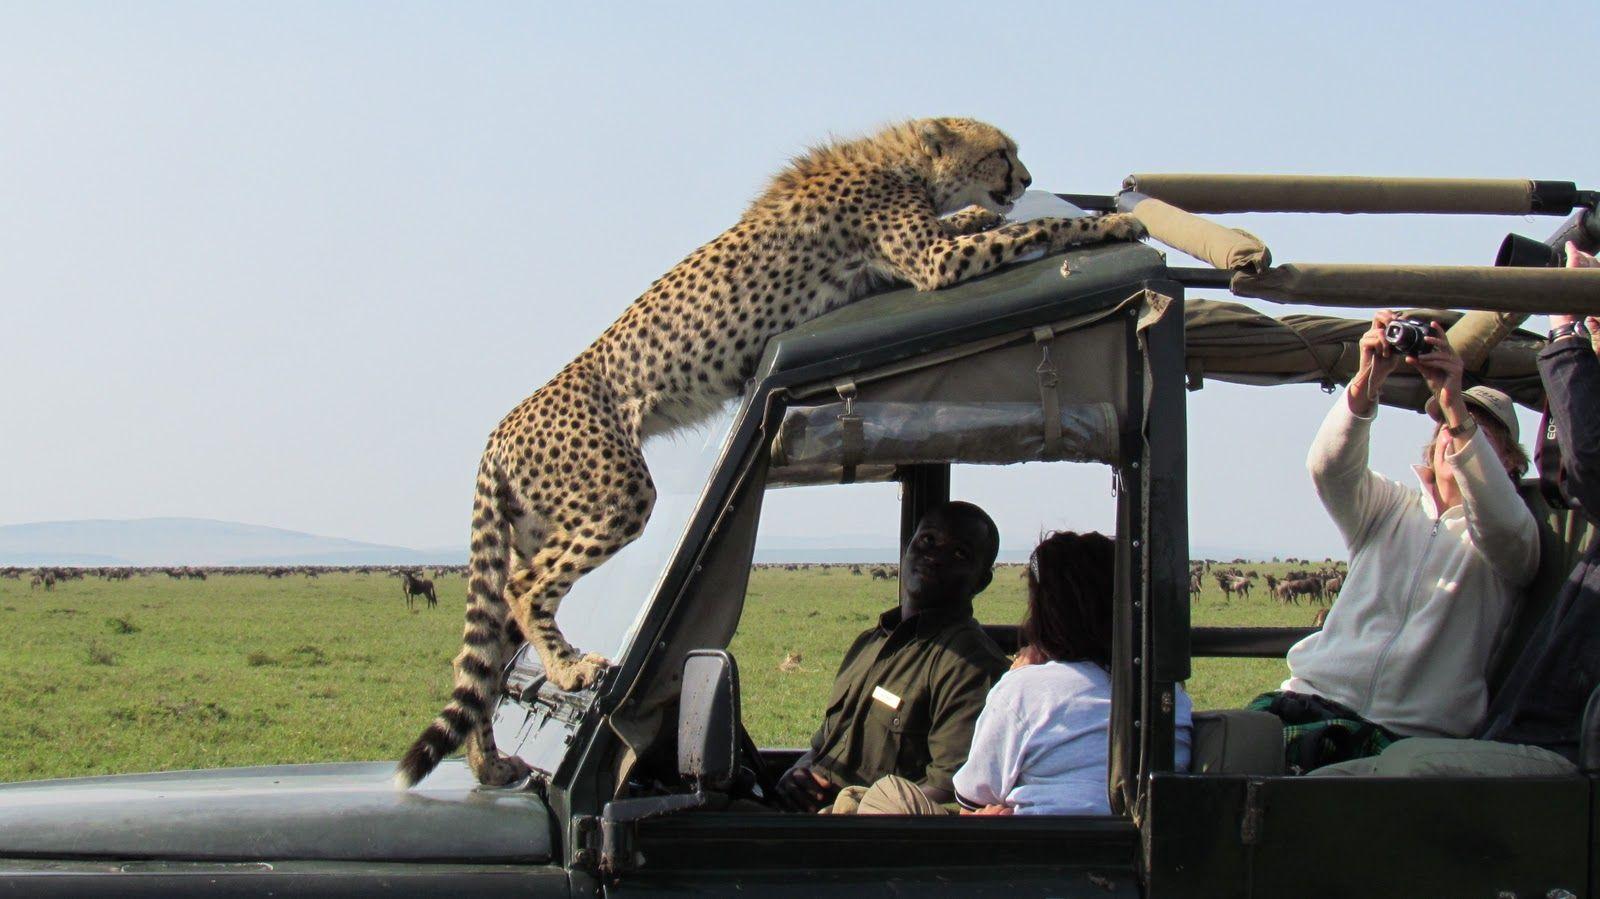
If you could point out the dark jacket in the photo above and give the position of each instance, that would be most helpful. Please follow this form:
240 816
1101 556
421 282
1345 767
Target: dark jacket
906 698
1545 692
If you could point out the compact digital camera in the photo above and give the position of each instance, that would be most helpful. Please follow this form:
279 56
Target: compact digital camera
1409 336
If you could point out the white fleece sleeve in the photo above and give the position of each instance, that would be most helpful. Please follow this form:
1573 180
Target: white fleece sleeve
995 762
1354 495
1499 522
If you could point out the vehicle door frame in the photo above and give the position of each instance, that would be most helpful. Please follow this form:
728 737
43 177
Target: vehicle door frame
1152 552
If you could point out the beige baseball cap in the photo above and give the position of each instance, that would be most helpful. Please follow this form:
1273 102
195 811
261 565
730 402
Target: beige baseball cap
1489 400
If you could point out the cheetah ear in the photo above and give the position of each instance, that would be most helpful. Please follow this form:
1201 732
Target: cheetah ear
936 136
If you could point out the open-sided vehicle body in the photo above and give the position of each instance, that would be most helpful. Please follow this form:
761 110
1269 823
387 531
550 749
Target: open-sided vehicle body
647 783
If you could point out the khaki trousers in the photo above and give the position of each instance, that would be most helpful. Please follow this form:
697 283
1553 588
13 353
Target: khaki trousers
1443 757
891 795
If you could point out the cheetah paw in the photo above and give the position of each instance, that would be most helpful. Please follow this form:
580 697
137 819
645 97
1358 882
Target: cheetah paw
575 676
1122 226
987 220
503 772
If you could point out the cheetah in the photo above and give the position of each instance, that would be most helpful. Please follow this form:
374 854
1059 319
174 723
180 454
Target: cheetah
563 486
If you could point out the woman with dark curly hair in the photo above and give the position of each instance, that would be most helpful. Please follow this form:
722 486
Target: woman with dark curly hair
1041 745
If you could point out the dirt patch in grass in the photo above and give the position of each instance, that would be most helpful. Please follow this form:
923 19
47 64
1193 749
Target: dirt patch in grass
99 655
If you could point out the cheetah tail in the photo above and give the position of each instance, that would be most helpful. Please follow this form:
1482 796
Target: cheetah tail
479 664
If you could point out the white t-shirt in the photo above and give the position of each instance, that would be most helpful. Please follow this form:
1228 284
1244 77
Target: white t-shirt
1041 745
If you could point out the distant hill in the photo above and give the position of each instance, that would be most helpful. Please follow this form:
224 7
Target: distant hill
195 541
201 541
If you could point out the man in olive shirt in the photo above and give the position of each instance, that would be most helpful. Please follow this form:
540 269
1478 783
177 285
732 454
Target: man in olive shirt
910 689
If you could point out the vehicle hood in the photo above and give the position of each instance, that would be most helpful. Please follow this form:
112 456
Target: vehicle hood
344 812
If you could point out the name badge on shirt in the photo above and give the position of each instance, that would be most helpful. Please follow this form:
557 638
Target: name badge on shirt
885 697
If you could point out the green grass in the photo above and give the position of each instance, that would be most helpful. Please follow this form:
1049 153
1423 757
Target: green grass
817 613
106 677
101 677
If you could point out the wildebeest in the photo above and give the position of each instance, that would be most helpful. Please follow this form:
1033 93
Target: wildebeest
1291 590
1232 583
415 585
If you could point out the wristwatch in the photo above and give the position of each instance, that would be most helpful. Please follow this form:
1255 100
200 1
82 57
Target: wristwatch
1464 430
1570 329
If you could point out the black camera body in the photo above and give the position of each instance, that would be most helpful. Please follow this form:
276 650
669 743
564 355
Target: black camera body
1408 336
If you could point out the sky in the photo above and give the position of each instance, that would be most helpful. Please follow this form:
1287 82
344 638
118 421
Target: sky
289 263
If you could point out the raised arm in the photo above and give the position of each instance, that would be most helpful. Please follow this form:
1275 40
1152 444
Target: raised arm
1499 522
1353 494
1500 525
1571 376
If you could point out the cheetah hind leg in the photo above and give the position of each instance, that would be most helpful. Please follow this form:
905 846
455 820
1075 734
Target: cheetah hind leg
490 767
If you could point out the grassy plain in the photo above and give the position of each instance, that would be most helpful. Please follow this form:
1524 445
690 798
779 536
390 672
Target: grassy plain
105 677
818 612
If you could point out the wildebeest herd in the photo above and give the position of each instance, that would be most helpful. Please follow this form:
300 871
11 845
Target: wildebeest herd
879 572
1319 585
414 583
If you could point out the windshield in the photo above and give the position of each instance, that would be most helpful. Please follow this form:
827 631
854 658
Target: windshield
605 606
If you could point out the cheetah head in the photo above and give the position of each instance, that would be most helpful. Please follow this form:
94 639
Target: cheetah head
974 164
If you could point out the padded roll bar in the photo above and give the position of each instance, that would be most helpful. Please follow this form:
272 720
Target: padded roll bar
1343 194
1475 335
1530 290
1225 248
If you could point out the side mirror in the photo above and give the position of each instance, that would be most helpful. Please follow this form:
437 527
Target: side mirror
708 746
708 719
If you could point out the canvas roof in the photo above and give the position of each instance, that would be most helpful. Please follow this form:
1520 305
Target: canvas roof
1227 341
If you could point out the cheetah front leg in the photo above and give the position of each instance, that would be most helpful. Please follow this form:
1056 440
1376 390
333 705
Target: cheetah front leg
920 252
1086 229
1065 233
535 590
972 220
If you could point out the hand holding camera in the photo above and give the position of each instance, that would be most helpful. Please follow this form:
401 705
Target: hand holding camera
1378 361
1408 336
1422 344
1437 362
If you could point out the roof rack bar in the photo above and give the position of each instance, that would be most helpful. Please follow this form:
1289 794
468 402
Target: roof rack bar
1201 277
1091 202
1203 193
1532 290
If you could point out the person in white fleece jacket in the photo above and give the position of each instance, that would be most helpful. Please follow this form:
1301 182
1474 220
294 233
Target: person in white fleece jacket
1433 572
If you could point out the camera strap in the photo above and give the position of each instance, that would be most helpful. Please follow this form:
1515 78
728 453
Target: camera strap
1547 459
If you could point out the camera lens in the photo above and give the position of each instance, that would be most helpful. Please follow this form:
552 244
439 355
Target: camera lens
1408 336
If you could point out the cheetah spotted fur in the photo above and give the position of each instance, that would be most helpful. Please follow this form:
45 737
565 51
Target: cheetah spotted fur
563 486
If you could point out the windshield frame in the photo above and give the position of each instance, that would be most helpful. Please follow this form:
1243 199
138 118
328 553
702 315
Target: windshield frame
636 694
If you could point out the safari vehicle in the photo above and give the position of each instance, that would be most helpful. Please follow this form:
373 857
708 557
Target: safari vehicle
649 784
